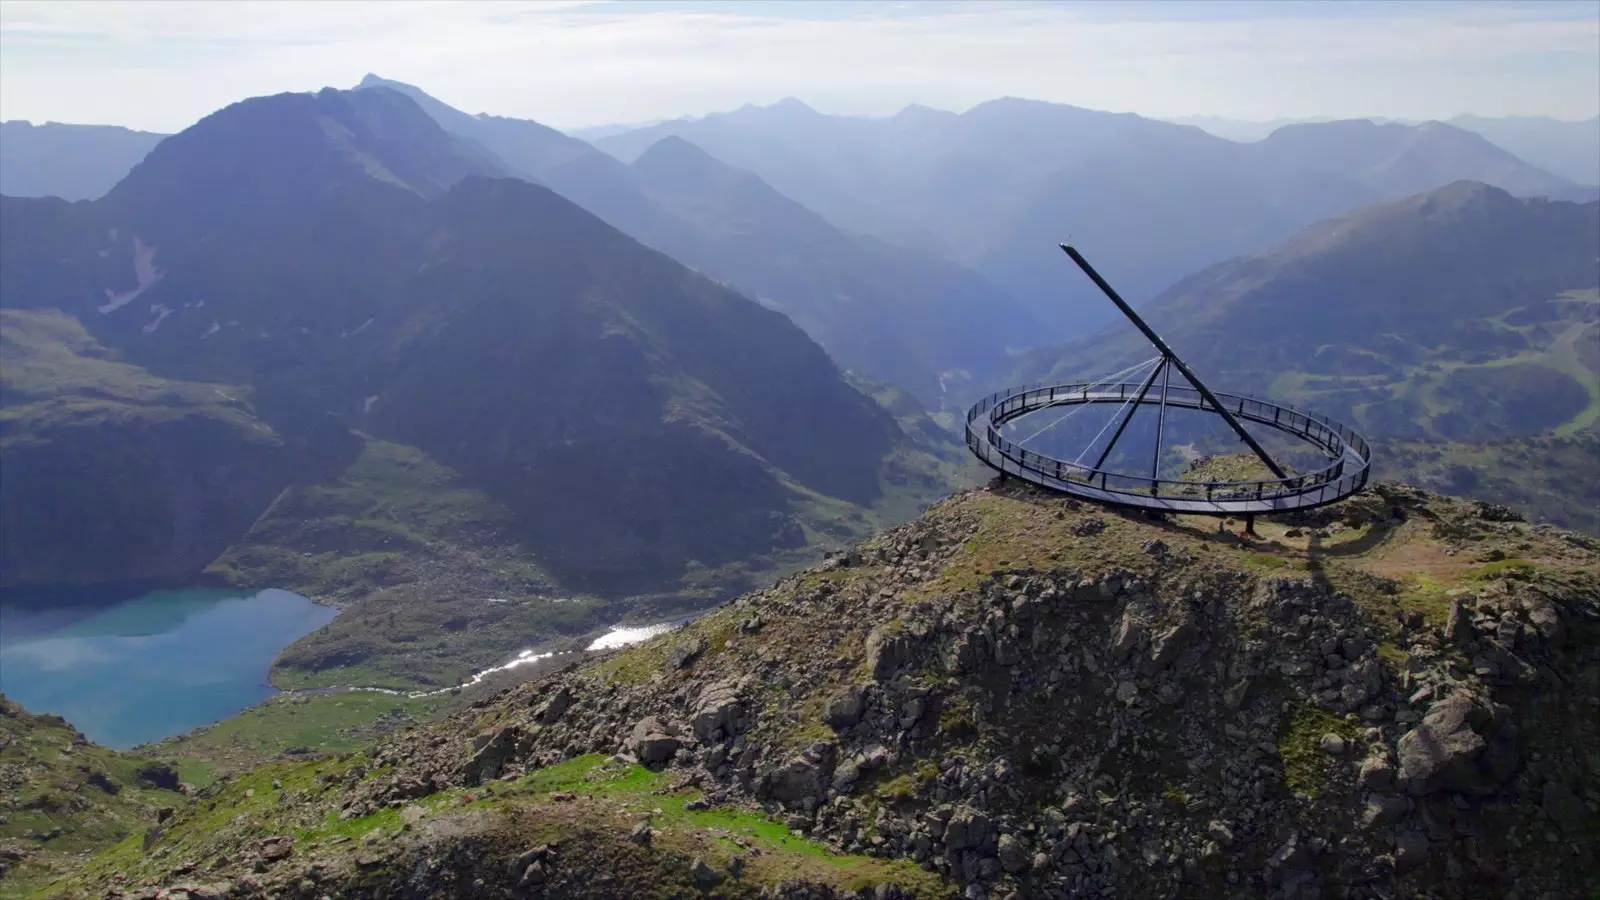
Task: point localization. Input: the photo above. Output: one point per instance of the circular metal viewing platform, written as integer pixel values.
(1347, 459)
(1346, 472)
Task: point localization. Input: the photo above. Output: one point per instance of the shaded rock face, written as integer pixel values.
(158, 775)
(183, 490)
(494, 750)
(1458, 748)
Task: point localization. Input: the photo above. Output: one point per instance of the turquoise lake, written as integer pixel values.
(152, 666)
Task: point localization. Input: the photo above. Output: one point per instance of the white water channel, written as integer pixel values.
(617, 637)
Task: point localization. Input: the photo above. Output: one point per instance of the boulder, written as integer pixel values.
(968, 829)
(158, 775)
(551, 710)
(704, 876)
(1456, 627)
(885, 652)
(654, 740)
(1376, 774)
(1456, 748)
(685, 652)
(1126, 636)
(846, 708)
(1410, 849)
(798, 779)
(1546, 620)
(1170, 642)
(103, 781)
(1013, 852)
(276, 848)
(495, 749)
(719, 713)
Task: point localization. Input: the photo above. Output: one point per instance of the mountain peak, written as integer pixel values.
(673, 148)
(266, 150)
(916, 112)
(788, 107)
(679, 163)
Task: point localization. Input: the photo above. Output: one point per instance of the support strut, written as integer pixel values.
(1171, 357)
(1132, 408)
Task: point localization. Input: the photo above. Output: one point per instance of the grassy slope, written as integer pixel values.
(56, 375)
(1544, 380)
(434, 585)
(307, 724)
(586, 804)
(45, 785)
(1549, 477)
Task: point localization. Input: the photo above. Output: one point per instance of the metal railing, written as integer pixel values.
(1346, 472)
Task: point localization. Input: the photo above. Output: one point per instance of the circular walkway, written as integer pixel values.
(1347, 455)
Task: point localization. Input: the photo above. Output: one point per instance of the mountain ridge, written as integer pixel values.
(747, 234)
(644, 429)
(980, 187)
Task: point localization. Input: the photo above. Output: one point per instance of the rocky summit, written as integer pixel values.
(1015, 695)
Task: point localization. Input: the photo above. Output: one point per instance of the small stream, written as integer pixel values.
(619, 636)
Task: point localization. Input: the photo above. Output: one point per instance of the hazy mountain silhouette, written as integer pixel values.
(73, 162)
(341, 259)
(997, 186)
(1569, 149)
(1396, 159)
(899, 315)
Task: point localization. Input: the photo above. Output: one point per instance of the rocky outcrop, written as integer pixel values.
(1106, 721)
(1458, 749)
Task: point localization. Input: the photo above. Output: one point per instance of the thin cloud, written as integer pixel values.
(163, 65)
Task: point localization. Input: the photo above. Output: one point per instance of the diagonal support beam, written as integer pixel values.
(1172, 358)
(1132, 408)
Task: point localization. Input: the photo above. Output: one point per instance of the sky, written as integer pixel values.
(161, 66)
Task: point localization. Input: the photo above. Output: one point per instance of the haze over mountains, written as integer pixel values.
(1150, 201)
(403, 301)
(73, 162)
(232, 321)
(904, 316)
(976, 188)
(1570, 149)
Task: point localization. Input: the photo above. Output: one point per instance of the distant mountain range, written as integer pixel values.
(299, 282)
(1570, 149)
(904, 316)
(997, 186)
(73, 162)
(940, 227)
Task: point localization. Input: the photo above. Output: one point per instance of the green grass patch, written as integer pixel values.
(1513, 568)
(320, 723)
(1306, 766)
